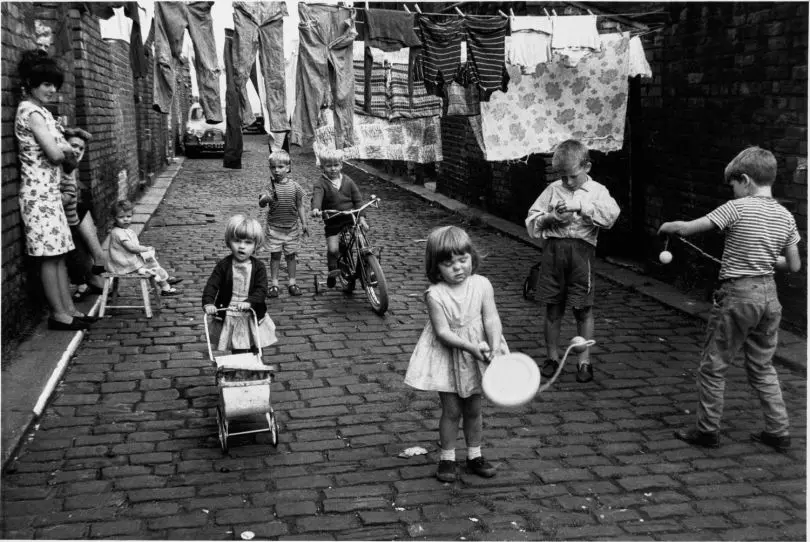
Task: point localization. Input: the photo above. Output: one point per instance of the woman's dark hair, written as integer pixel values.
(36, 67)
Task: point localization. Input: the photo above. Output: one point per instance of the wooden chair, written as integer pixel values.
(110, 292)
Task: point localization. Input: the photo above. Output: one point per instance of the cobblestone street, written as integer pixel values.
(128, 447)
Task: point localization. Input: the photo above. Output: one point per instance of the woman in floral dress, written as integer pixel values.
(42, 148)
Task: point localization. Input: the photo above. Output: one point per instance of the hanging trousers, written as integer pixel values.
(486, 39)
(260, 25)
(441, 52)
(327, 35)
(171, 21)
(232, 157)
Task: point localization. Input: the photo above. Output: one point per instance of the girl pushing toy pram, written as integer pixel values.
(237, 285)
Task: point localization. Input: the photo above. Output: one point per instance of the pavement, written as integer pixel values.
(125, 445)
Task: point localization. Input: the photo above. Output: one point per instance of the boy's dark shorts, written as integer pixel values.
(566, 273)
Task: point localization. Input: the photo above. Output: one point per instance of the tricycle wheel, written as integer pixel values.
(222, 426)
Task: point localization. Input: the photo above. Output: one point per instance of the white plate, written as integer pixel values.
(511, 380)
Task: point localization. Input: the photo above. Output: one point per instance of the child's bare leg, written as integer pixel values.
(332, 251)
(584, 317)
(291, 267)
(554, 314)
(448, 423)
(473, 423)
(275, 263)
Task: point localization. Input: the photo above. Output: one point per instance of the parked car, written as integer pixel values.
(199, 136)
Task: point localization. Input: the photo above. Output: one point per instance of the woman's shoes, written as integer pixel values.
(75, 325)
(171, 281)
(293, 289)
(86, 290)
(273, 291)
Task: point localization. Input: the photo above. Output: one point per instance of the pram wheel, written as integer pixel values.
(271, 421)
(222, 428)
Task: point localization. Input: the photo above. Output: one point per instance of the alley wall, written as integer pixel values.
(131, 142)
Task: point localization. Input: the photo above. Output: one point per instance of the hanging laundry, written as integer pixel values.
(588, 103)
(638, 59)
(462, 100)
(147, 15)
(232, 154)
(390, 30)
(575, 37)
(117, 27)
(259, 26)
(478, 132)
(441, 52)
(171, 21)
(412, 140)
(137, 52)
(325, 50)
(485, 47)
(530, 42)
(389, 89)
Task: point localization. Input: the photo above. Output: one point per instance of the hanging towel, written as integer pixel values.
(638, 59)
(575, 37)
(588, 103)
(530, 42)
(412, 140)
(441, 52)
(486, 51)
(390, 30)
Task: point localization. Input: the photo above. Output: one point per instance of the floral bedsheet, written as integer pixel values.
(587, 102)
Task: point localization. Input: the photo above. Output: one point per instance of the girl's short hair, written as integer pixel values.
(36, 67)
(121, 205)
(330, 156)
(442, 244)
(242, 227)
(279, 157)
(570, 152)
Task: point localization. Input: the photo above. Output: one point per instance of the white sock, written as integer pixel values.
(448, 455)
(473, 452)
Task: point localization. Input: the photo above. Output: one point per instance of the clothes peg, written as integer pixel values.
(546, 12)
(502, 14)
(366, 3)
(511, 12)
(406, 8)
(460, 13)
(418, 9)
(590, 13)
(554, 11)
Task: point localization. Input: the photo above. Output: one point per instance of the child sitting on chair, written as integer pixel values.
(238, 284)
(126, 255)
(337, 192)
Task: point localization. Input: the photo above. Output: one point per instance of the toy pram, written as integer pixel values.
(244, 388)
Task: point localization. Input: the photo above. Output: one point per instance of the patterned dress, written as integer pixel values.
(436, 367)
(46, 228)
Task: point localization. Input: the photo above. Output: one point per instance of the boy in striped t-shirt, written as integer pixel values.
(285, 198)
(746, 310)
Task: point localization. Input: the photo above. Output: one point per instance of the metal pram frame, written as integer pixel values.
(244, 387)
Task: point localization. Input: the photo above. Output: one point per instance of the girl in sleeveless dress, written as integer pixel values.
(42, 148)
(238, 284)
(451, 355)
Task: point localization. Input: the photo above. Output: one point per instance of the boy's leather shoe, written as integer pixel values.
(778, 443)
(446, 471)
(584, 372)
(699, 438)
(549, 368)
(481, 467)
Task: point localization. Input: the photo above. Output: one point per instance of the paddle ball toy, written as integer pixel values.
(665, 257)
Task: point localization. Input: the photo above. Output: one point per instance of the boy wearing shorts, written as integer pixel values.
(285, 199)
(761, 236)
(569, 214)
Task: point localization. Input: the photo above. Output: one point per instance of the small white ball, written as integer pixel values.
(579, 344)
(665, 257)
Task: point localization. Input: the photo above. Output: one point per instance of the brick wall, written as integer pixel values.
(22, 300)
(100, 95)
(727, 75)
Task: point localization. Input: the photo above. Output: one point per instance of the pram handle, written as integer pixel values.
(254, 331)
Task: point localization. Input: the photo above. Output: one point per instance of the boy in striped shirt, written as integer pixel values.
(285, 198)
(746, 310)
